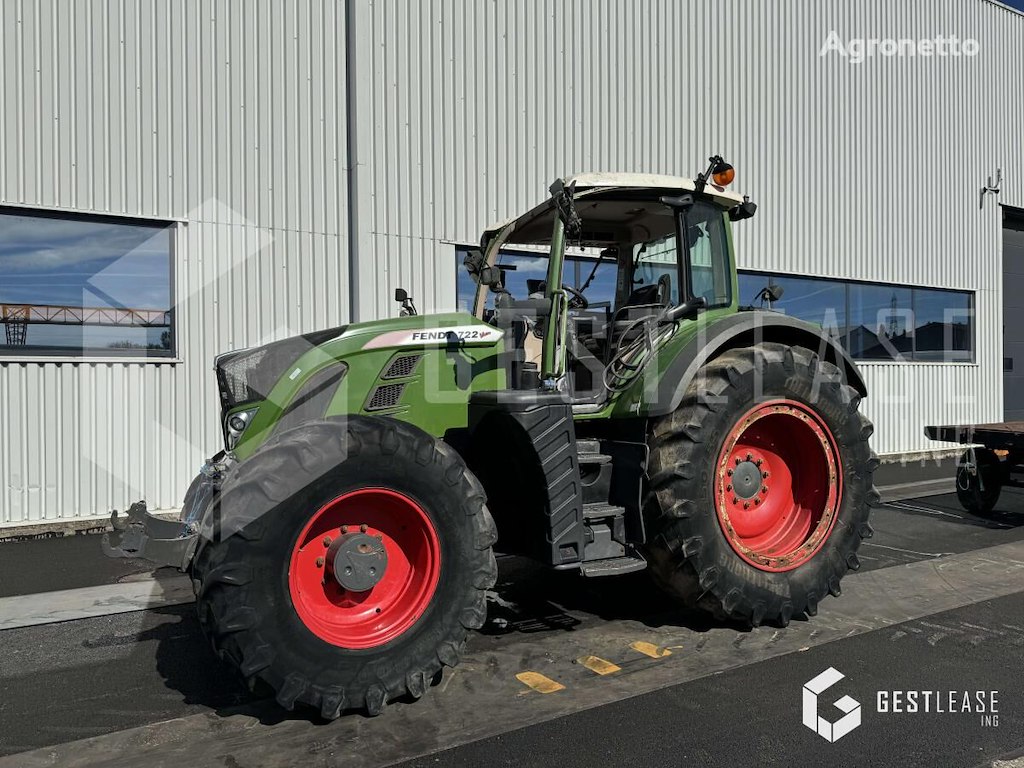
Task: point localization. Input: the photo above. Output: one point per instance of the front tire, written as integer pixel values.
(760, 486)
(346, 565)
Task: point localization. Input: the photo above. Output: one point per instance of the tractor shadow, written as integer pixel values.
(187, 664)
(530, 598)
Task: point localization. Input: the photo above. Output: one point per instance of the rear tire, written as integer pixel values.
(771, 572)
(968, 490)
(317, 643)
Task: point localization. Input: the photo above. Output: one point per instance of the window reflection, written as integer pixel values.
(881, 322)
(942, 325)
(821, 302)
(74, 283)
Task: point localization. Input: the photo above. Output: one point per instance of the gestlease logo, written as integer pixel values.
(828, 730)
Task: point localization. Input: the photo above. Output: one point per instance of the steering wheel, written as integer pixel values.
(576, 299)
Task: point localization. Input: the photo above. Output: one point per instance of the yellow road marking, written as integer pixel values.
(539, 682)
(598, 665)
(650, 649)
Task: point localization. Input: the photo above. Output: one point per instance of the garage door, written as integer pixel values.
(1013, 315)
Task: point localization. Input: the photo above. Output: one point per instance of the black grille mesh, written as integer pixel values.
(385, 396)
(402, 366)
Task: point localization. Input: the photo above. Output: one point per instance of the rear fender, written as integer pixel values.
(745, 329)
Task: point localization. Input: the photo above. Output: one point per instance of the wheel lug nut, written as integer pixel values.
(363, 527)
(759, 462)
(729, 472)
(749, 457)
(735, 500)
(764, 475)
(319, 562)
(764, 489)
(344, 529)
(728, 488)
(746, 505)
(756, 502)
(327, 541)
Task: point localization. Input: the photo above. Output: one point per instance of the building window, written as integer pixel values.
(84, 285)
(872, 321)
(875, 321)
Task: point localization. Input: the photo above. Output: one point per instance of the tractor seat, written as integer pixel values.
(645, 301)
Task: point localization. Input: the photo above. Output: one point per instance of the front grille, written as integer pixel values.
(237, 378)
(385, 396)
(401, 367)
(249, 375)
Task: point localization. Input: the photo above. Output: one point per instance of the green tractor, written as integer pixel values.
(341, 543)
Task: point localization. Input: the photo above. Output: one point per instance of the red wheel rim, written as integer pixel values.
(780, 521)
(384, 611)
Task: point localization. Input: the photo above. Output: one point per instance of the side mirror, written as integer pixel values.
(402, 297)
(688, 310)
(774, 292)
(744, 210)
(474, 261)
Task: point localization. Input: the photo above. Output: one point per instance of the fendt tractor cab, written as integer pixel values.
(341, 543)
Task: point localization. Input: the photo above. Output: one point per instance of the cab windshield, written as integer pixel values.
(630, 242)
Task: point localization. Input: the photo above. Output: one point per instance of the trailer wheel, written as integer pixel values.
(968, 488)
(346, 564)
(760, 486)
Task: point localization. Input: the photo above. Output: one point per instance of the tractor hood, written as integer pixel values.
(248, 375)
(450, 329)
(267, 388)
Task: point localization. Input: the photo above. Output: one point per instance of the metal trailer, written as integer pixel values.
(982, 471)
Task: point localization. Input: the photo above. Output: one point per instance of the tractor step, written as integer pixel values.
(589, 452)
(614, 566)
(596, 510)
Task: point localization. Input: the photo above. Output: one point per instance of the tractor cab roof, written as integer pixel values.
(619, 194)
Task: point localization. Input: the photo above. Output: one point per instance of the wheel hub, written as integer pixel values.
(746, 480)
(357, 561)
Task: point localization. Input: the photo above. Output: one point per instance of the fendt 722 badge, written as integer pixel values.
(341, 543)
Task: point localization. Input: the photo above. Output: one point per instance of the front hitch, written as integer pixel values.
(166, 542)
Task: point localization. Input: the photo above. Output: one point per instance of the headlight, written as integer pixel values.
(236, 425)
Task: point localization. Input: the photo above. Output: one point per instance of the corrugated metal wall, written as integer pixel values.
(869, 171)
(235, 118)
(230, 116)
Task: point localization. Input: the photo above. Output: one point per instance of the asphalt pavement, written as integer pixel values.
(938, 605)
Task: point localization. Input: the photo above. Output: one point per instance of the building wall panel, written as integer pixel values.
(229, 117)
